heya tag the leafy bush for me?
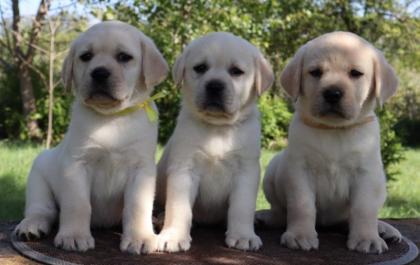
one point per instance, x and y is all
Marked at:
(13, 124)
(391, 148)
(406, 105)
(61, 114)
(275, 118)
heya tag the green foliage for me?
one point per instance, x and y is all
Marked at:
(275, 118)
(391, 148)
(61, 114)
(14, 126)
(406, 105)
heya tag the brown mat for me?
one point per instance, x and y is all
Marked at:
(208, 248)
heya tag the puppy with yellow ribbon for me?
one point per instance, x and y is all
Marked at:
(103, 172)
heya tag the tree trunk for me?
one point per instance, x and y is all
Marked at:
(53, 28)
(24, 59)
(28, 102)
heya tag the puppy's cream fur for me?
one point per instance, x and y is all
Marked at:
(210, 170)
(103, 172)
(328, 175)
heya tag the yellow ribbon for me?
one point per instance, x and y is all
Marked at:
(146, 105)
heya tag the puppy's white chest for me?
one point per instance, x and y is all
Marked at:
(332, 178)
(109, 173)
(116, 135)
(215, 172)
(217, 148)
(215, 175)
(216, 164)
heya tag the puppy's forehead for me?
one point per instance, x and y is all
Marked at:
(339, 48)
(109, 37)
(221, 48)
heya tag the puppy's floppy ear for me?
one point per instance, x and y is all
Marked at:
(178, 70)
(67, 69)
(385, 80)
(154, 68)
(291, 77)
(264, 76)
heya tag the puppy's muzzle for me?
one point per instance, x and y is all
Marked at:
(214, 96)
(332, 102)
(101, 94)
(332, 95)
(100, 75)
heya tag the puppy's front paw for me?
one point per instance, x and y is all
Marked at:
(300, 240)
(170, 240)
(367, 244)
(32, 227)
(142, 244)
(243, 242)
(74, 241)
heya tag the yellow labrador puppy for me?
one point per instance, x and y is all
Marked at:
(103, 172)
(332, 170)
(210, 167)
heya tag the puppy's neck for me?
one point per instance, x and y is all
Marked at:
(243, 116)
(146, 105)
(322, 126)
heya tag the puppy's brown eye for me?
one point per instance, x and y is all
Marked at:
(201, 68)
(317, 73)
(123, 57)
(86, 57)
(235, 71)
(355, 74)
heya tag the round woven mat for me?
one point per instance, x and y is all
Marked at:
(208, 248)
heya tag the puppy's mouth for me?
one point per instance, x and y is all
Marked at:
(214, 107)
(102, 99)
(333, 111)
(216, 115)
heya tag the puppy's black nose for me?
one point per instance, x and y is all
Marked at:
(100, 74)
(332, 95)
(214, 89)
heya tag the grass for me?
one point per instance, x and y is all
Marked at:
(404, 193)
(15, 163)
(16, 159)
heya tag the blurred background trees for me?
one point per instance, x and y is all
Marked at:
(277, 27)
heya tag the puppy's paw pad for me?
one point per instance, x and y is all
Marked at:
(32, 228)
(369, 244)
(139, 244)
(251, 242)
(74, 242)
(302, 241)
(170, 241)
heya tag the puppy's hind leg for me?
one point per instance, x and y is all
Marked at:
(270, 218)
(276, 216)
(388, 232)
(40, 209)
